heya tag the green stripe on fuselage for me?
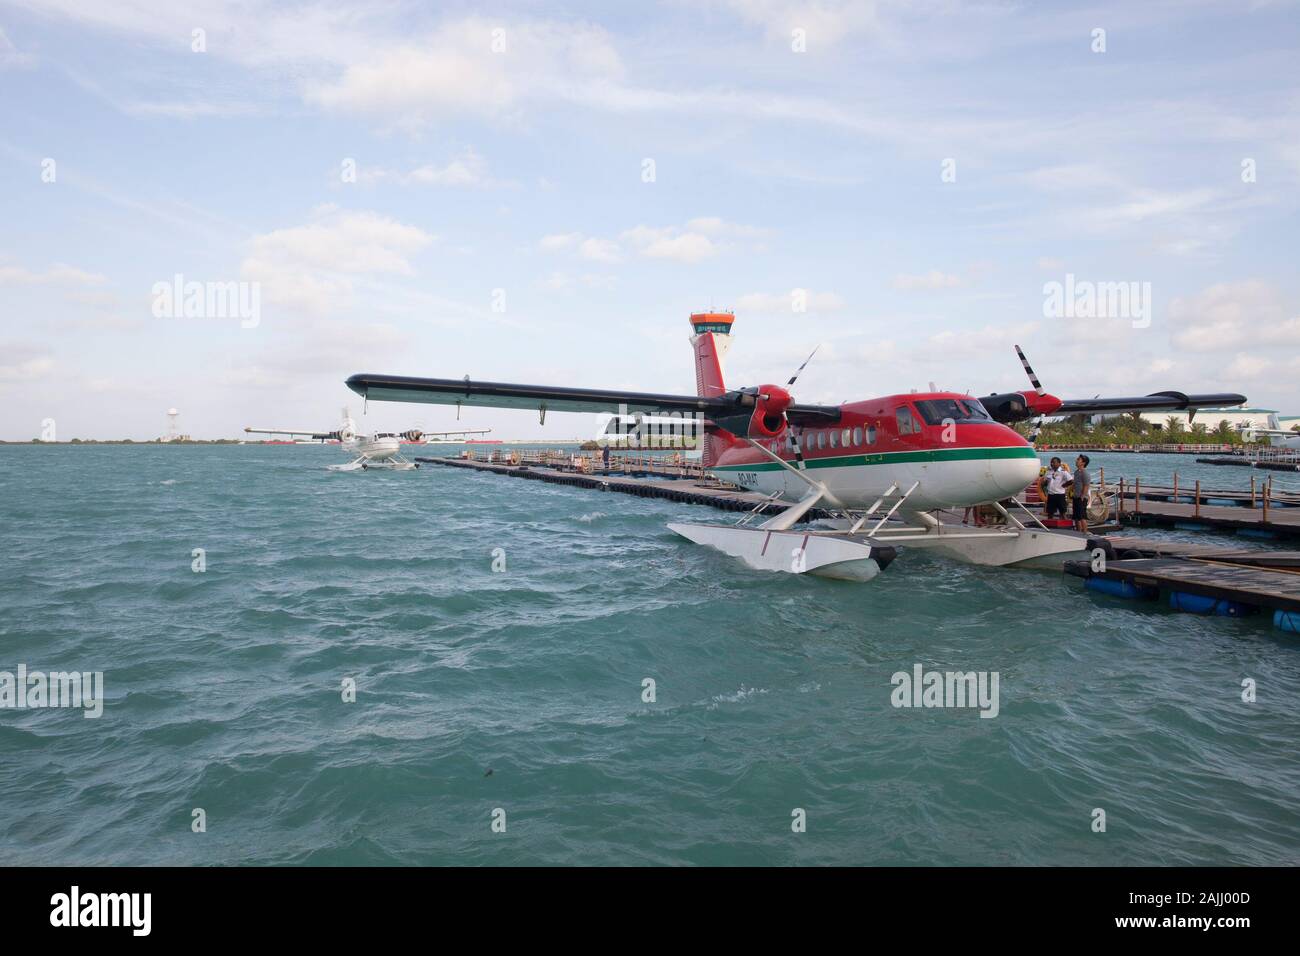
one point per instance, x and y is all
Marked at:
(895, 457)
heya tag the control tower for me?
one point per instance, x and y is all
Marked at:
(710, 339)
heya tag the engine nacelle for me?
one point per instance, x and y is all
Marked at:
(768, 419)
(1019, 406)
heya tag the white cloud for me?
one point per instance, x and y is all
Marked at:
(714, 226)
(934, 279)
(457, 71)
(1233, 315)
(1248, 366)
(10, 56)
(600, 250)
(785, 302)
(23, 363)
(989, 340)
(699, 239)
(561, 281)
(588, 247)
(57, 274)
(466, 169)
(559, 240)
(1145, 205)
(826, 22)
(311, 266)
(687, 247)
(1071, 177)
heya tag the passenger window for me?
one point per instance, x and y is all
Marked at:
(857, 436)
(821, 440)
(871, 434)
(845, 437)
(835, 439)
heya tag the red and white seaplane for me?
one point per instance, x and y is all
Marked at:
(883, 465)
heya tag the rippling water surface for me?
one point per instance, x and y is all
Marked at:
(522, 690)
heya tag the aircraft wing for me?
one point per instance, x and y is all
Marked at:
(1157, 402)
(307, 433)
(1020, 406)
(555, 398)
(1272, 432)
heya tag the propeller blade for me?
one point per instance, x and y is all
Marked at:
(1030, 372)
(1035, 429)
(800, 369)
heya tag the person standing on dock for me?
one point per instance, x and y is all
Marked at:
(1080, 485)
(1058, 476)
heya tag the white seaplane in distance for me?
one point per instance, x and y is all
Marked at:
(380, 450)
(1288, 439)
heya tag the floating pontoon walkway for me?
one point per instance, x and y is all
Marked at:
(1275, 522)
(1130, 546)
(685, 490)
(1205, 581)
(1191, 492)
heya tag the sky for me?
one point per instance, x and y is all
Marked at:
(543, 193)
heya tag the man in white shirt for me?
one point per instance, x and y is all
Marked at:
(1057, 478)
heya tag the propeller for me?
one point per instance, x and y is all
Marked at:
(798, 451)
(799, 370)
(348, 430)
(1037, 426)
(1029, 371)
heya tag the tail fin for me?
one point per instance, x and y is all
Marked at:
(710, 338)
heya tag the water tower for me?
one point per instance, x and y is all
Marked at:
(172, 434)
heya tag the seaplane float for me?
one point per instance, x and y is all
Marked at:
(381, 450)
(885, 469)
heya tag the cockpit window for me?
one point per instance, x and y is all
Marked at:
(936, 411)
(906, 423)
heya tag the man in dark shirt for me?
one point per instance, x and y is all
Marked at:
(1080, 485)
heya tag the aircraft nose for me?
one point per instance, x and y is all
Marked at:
(1012, 475)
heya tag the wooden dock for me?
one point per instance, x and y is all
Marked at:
(1130, 546)
(687, 490)
(1261, 588)
(1188, 506)
(1278, 522)
(1199, 578)
(1191, 492)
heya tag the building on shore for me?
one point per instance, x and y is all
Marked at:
(1210, 417)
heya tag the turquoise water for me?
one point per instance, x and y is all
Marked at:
(772, 692)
